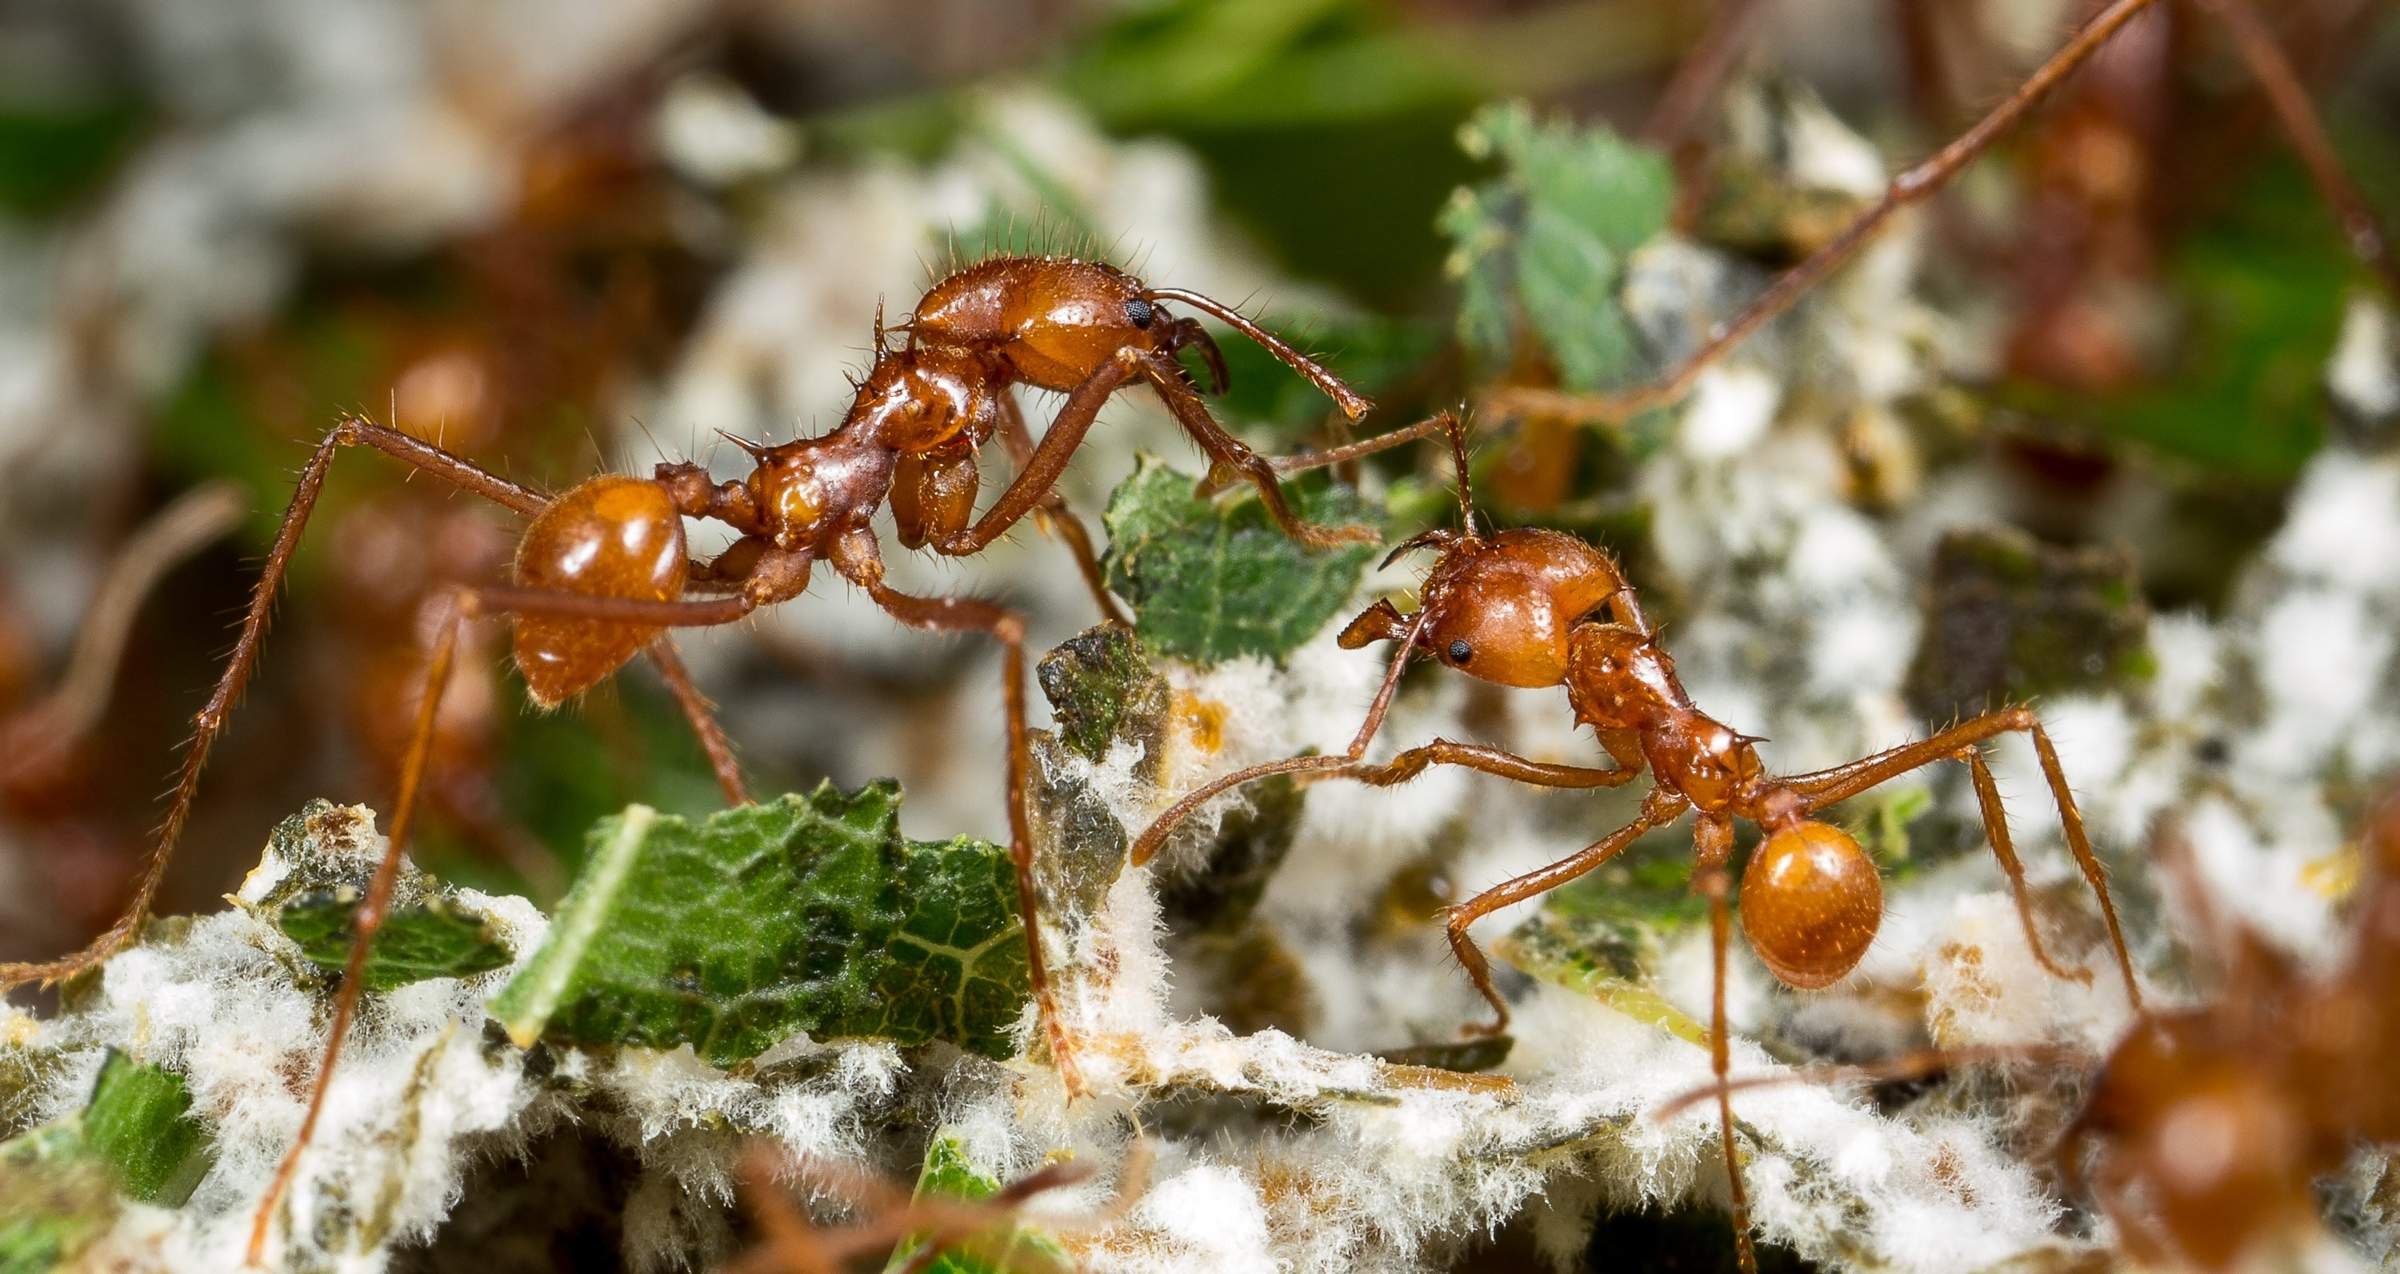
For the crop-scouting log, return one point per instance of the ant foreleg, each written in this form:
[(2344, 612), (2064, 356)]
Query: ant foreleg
[(1475, 756), (1910, 187), (1660, 808), (348, 431), (1146, 845), (1231, 453), (1038, 472), (1055, 515), (1829, 787), (861, 562), (1353, 404)]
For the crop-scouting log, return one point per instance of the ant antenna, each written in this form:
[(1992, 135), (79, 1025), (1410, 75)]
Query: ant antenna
[(1353, 404), (1454, 423)]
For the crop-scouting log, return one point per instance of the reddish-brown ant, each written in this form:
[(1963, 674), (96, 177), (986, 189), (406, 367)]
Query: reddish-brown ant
[(1535, 609), (603, 571)]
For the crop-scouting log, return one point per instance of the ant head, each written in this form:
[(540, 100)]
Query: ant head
[(1498, 607)]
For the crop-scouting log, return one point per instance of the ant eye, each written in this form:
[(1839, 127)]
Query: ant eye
[(1139, 312), (1461, 652)]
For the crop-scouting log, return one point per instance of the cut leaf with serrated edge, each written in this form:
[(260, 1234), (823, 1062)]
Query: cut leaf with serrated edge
[(808, 913), (432, 938), (948, 1174), (1211, 580)]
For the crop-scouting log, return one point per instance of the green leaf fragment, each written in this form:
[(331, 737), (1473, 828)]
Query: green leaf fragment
[(803, 914), (434, 938), (1211, 580), (1101, 690), (948, 1173), (1540, 250), (139, 1123), (61, 1185)]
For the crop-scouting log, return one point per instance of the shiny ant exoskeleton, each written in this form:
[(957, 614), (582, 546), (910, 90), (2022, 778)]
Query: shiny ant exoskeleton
[(2204, 1130), (1536, 609), (603, 570)]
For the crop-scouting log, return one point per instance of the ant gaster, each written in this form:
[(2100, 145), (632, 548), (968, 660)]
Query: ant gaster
[(2205, 1128), (603, 571), (1536, 609)]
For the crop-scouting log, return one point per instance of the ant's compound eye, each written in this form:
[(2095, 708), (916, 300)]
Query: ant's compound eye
[(1139, 312), (1460, 651)]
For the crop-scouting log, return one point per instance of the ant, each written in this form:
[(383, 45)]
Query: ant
[(1713, 56), (602, 572), (2209, 1124), (1535, 609)]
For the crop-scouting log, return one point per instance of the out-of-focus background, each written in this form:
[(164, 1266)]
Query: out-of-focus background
[(566, 237)]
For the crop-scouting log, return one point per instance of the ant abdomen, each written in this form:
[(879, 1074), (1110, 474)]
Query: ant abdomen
[(613, 536), (1811, 903)]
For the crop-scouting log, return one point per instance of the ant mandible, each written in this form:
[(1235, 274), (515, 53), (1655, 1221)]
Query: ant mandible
[(1534, 609), (602, 572)]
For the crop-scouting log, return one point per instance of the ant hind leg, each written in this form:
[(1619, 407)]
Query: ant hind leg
[(210, 720)]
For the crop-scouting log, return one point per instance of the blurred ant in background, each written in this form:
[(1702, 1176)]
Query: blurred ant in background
[(1537, 609)]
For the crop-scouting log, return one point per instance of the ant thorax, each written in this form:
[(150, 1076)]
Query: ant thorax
[(809, 491)]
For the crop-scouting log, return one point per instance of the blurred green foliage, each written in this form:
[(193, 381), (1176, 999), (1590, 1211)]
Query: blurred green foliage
[(53, 155)]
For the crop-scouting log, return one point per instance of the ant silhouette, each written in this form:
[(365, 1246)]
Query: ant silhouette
[(602, 572), (1713, 56), (2204, 1129), (1525, 608)]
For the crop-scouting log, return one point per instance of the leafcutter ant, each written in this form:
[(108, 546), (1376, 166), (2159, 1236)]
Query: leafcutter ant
[(1536, 609), (602, 571)]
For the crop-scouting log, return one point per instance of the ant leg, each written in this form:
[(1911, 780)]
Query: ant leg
[(1660, 808), (1828, 787), (367, 919), (703, 716), (2289, 99), (1702, 69), (36, 738), (468, 604), (1188, 334), (348, 431), (1995, 831), (1332, 456), (1712, 844), (1054, 514), (1146, 845), (1489, 760), (859, 560), (1038, 472), (1911, 186), (1234, 455)]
